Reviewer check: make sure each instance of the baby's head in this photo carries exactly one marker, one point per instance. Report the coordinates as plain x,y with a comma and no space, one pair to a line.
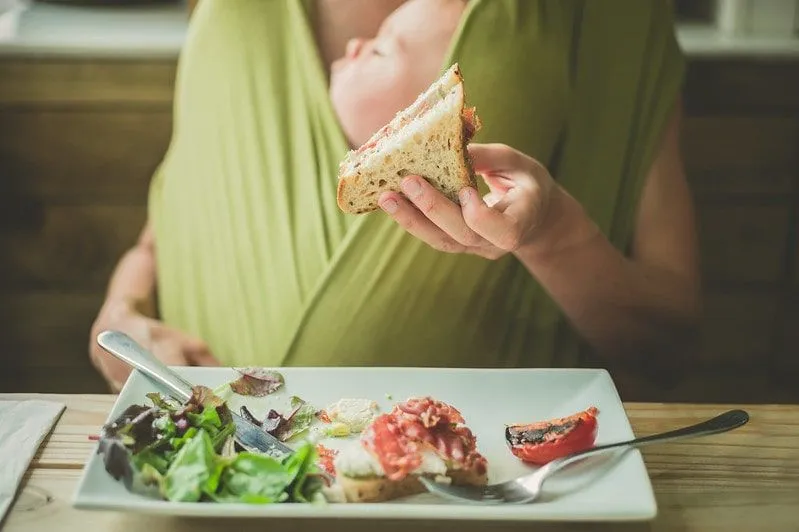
379,77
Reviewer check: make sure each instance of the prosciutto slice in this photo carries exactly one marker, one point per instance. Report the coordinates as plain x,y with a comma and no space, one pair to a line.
398,439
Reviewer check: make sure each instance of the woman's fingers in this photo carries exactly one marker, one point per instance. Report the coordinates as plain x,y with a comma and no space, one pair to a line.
498,159
492,224
178,348
498,184
417,224
437,209
199,354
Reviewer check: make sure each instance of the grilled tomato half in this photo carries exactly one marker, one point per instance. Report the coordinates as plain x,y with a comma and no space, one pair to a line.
541,442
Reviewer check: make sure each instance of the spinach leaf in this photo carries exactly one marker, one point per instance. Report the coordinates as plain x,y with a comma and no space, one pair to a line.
195,470
207,419
153,459
255,478
301,465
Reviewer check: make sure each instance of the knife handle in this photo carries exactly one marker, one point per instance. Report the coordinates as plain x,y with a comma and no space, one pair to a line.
126,349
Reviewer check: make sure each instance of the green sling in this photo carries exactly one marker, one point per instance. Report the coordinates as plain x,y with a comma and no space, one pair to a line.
253,254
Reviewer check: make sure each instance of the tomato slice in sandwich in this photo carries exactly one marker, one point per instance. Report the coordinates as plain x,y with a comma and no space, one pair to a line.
543,441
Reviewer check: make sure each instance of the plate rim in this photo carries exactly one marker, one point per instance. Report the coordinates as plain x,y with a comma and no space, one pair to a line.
646,511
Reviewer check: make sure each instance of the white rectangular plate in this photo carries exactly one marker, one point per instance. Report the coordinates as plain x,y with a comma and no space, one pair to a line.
613,488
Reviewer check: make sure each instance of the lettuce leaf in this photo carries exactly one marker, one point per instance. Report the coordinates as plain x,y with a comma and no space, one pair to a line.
285,426
194,472
257,382
185,453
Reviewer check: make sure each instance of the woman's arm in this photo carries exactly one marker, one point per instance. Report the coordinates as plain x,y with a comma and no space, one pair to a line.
130,307
133,281
647,303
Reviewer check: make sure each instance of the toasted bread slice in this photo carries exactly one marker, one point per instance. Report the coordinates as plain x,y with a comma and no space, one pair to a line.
428,139
379,489
424,102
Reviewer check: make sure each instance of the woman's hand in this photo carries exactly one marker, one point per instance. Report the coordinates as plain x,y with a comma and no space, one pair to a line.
172,346
505,220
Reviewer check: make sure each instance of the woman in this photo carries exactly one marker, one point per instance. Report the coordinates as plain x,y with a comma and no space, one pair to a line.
255,265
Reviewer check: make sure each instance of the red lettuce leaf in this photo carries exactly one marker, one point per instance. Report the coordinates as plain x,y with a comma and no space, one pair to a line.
257,382
284,426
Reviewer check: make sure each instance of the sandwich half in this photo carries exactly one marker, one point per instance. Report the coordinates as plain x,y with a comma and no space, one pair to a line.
428,138
421,436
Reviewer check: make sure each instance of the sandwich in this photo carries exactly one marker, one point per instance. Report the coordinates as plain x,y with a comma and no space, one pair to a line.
428,138
421,436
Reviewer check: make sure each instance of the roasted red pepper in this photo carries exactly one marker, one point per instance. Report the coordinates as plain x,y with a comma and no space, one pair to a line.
543,441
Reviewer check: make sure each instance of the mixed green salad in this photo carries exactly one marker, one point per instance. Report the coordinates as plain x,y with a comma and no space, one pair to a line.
186,452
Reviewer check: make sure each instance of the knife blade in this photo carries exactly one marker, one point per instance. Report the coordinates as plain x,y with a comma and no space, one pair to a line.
248,434
252,437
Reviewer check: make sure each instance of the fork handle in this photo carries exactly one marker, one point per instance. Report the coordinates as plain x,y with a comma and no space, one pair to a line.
722,423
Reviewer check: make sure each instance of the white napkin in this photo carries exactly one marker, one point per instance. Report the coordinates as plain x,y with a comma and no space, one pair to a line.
23,426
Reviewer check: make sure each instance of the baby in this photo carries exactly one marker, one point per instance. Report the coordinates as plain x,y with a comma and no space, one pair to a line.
379,77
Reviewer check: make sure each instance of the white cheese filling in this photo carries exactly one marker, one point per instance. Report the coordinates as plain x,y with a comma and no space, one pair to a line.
355,461
355,414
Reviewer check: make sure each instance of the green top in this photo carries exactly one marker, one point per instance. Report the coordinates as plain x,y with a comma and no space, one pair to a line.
254,255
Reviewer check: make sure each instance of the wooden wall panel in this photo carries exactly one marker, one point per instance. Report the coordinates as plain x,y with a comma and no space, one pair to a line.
74,249
79,142
743,243
736,84
85,156
741,154
753,148
737,329
93,83
73,377
787,359
51,328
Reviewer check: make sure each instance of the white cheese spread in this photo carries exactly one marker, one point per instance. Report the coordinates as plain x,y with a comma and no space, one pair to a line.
355,414
355,461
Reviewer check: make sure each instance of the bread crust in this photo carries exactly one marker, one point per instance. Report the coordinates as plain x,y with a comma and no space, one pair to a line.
382,489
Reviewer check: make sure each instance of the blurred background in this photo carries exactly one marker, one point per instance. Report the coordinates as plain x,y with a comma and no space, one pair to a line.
85,117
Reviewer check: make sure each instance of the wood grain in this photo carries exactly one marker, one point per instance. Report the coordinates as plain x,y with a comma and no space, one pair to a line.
91,82
739,329
787,362
740,481
44,319
744,242
730,141
44,341
87,157
74,376
74,249
714,86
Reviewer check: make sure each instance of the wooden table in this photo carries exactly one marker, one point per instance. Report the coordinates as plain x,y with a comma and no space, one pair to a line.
745,480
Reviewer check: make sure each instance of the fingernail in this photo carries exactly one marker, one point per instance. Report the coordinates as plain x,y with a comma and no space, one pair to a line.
411,187
390,206
465,195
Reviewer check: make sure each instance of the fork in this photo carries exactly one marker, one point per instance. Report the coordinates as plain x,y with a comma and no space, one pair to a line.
527,488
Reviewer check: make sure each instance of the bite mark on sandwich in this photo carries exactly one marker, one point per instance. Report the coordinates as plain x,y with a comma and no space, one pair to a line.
428,138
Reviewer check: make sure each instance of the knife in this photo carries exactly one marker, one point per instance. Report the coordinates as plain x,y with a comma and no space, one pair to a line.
248,434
